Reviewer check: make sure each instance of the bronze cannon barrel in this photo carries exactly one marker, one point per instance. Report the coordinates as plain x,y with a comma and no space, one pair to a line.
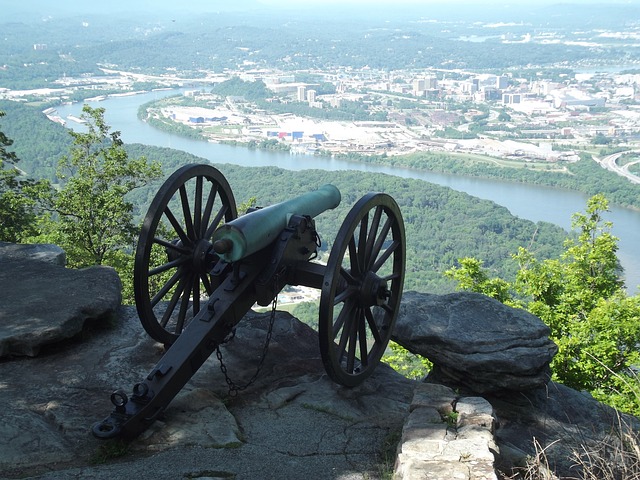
254,231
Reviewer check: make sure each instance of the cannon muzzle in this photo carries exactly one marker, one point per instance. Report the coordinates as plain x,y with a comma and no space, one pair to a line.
252,232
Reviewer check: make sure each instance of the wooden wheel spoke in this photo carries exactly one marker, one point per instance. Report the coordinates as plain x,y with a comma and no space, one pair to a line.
176,226
373,328
375,224
353,337
206,283
197,208
385,256
166,287
186,212
353,257
216,221
184,306
391,276
344,296
346,274
379,243
173,302
362,242
206,215
344,314
362,339
196,295
172,246
167,266
346,333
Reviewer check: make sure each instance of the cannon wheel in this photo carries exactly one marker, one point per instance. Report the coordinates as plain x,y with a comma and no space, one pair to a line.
361,289
174,253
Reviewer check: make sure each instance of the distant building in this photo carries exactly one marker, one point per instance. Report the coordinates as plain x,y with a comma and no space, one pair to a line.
571,98
502,82
469,87
302,93
511,98
311,96
419,85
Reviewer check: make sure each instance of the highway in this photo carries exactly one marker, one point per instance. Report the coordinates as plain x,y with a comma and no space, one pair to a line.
610,163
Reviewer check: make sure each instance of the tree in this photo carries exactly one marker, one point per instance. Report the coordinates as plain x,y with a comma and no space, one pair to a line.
581,297
600,139
93,220
18,196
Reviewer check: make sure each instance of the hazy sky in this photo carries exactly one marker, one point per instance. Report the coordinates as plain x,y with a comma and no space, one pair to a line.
34,10
82,6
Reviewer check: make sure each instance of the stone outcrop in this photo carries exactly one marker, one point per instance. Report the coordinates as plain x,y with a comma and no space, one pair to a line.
476,341
42,303
293,422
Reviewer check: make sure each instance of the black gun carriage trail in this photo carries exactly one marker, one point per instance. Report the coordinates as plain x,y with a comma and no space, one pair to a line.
199,268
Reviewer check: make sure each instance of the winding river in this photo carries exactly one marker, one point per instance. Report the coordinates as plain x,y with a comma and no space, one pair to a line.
532,202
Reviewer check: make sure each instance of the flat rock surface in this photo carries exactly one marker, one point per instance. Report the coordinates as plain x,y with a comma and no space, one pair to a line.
293,422
43,303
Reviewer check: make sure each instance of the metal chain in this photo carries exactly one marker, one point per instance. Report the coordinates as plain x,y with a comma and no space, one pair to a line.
234,388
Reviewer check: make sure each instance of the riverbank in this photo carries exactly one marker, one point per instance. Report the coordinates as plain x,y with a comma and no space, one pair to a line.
385,144
529,201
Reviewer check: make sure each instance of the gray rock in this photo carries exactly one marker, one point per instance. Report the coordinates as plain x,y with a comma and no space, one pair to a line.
41,252
43,303
292,422
559,422
475,341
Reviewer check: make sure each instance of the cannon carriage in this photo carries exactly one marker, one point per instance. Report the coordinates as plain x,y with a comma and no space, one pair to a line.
199,268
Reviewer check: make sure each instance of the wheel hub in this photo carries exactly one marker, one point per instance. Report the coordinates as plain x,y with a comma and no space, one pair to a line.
374,290
203,256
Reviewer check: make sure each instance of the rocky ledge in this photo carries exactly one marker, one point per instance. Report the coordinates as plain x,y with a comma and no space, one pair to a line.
67,344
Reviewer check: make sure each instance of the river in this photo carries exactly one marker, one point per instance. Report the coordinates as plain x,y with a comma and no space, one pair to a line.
532,202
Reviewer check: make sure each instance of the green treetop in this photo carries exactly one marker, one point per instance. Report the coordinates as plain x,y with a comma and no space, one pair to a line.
93,220
581,297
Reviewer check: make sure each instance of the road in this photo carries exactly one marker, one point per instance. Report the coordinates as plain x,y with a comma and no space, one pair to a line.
610,163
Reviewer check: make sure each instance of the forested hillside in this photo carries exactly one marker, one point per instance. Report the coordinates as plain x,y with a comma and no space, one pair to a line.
442,225
38,142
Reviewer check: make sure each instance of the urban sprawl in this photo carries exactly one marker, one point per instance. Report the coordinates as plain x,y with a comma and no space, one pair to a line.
522,119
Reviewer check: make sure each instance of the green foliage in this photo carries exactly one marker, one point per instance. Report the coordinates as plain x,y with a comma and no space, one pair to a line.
404,362
580,296
18,196
235,86
504,117
38,153
470,276
90,217
600,139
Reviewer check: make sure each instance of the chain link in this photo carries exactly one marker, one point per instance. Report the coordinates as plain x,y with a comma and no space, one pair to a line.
234,388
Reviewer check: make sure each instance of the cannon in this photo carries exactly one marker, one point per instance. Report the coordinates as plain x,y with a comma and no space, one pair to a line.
199,268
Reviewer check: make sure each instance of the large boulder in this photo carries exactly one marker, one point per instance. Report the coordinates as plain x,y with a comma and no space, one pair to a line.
475,341
42,303
43,252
